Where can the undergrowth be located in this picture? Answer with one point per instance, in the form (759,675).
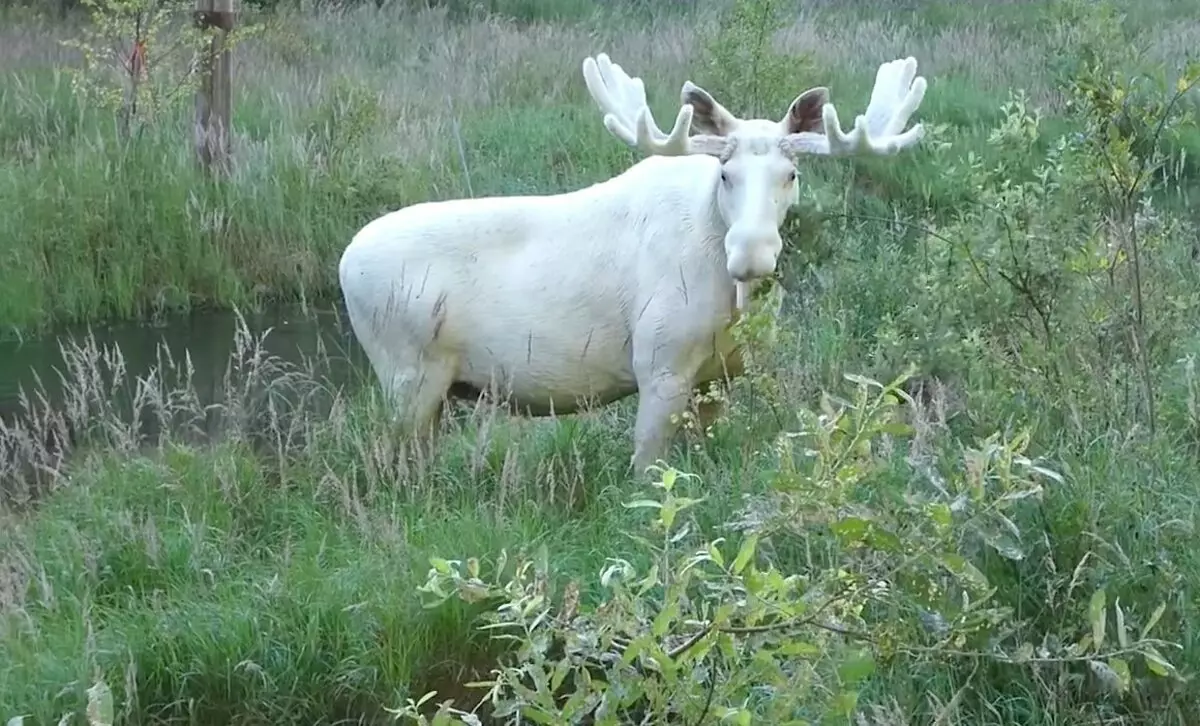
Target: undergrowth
(1004,532)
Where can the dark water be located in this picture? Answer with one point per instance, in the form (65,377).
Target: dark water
(318,334)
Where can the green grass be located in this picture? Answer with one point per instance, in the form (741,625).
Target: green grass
(255,581)
(269,577)
(332,133)
(261,602)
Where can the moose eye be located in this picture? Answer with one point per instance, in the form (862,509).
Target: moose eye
(791,177)
(724,177)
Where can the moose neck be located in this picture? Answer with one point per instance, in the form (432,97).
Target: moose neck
(714,244)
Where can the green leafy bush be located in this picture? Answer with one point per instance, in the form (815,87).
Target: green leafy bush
(833,571)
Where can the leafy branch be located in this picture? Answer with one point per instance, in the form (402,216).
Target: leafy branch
(142,58)
(753,633)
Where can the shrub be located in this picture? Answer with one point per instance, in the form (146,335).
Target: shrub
(834,570)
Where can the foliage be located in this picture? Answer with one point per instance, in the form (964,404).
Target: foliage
(1044,271)
(752,633)
(142,58)
(750,77)
(343,121)
(1122,163)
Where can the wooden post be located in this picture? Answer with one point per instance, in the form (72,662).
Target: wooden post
(214,97)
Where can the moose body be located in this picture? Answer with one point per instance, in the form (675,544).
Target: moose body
(556,301)
(626,286)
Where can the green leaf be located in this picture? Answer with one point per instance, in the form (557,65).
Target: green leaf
(682,503)
(668,479)
(1098,617)
(715,553)
(1083,646)
(745,552)
(800,649)
(1121,668)
(941,514)
(1048,473)
(851,529)
(1154,618)
(650,503)
(532,604)
(668,511)
(958,565)
(862,380)
(896,428)
(663,620)
(561,669)
(1122,633)
(884,540)
(634,649)
(533,713)
(442,566)
(698,652)
(1004,544)
(727,714)
(650,580)
(845,703)
(574,704)
(856,668)
(1157,664)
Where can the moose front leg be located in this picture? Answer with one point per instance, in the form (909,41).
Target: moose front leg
(661,401)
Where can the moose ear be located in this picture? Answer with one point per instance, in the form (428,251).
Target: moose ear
(709,117)
(805,112)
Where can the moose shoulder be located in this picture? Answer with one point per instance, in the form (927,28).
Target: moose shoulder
(626,286)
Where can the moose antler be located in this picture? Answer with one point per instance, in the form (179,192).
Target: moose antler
(897,93)
(626,113)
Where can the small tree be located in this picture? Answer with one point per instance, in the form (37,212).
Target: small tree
(141,58)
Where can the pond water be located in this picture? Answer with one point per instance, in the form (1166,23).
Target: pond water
(295,334)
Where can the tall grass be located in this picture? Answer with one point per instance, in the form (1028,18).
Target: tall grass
(256,560)
(268,576)
(341,117)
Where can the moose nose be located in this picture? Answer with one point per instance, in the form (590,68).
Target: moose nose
(750,257)
(746,272)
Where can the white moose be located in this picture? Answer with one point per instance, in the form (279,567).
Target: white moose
(626,286)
